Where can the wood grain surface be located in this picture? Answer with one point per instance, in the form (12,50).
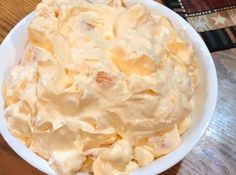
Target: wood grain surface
(215,154)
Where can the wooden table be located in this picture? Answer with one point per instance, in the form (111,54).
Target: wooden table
(216,152)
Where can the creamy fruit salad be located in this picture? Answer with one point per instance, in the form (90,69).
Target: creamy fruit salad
(103,87)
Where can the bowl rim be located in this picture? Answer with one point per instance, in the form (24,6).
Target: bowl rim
(179,153)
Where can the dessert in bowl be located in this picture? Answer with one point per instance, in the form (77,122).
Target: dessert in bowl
(107,87)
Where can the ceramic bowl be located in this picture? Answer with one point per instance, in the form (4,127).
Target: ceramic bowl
(12,48)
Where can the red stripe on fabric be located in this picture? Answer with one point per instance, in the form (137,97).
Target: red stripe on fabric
(195,6)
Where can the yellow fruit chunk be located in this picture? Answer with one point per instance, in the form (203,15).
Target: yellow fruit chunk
(177,47)
(143,65)
(182,51)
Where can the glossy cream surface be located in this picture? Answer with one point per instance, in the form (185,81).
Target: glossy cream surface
(102,87)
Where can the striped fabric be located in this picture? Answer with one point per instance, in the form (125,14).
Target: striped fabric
(215,20)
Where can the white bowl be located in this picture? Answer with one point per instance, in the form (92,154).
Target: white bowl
(12,48)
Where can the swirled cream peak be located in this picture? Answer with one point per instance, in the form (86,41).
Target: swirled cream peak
(103,87)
